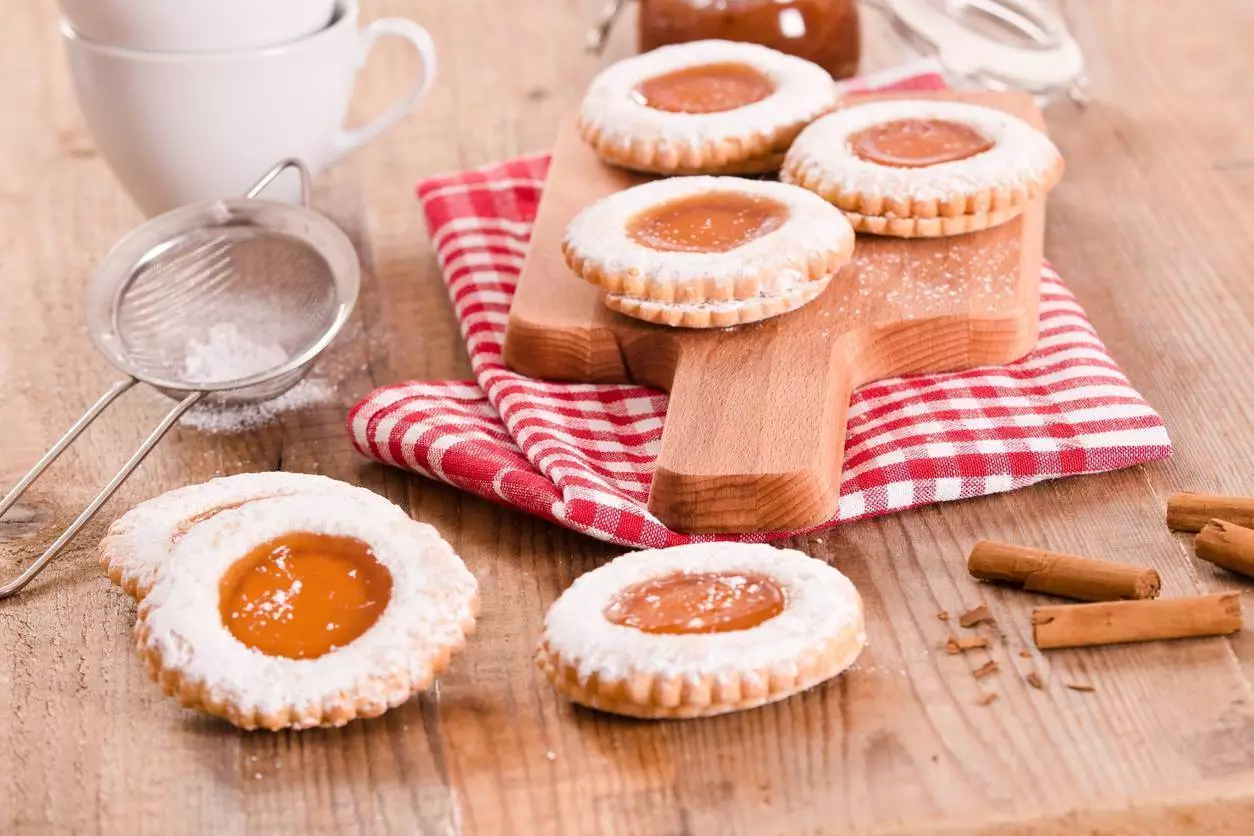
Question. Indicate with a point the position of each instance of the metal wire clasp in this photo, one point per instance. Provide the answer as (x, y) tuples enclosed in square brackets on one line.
[(306, 180)]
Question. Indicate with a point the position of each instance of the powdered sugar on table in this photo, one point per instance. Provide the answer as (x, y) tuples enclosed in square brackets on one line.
[(228, 354)]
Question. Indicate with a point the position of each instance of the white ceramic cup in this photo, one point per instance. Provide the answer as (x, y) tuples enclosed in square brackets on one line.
[(196, 25), (179, 128)]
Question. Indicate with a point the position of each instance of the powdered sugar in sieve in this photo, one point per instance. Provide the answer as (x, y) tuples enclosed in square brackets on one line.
[(227, 353)]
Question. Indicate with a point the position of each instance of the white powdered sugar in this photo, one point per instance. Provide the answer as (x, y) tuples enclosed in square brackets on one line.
[(138, 544), (822, 605), (771, 264), (433, 603), (214, 418), (802, 92), (228, 354), (1020, 154)]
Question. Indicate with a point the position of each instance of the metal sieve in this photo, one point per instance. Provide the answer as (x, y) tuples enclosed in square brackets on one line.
[(229, 273)]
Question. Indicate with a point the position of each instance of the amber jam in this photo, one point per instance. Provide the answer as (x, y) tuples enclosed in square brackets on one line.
[(303, 595), (916, 143), (709, 88), (823, 31), (706, 602), (714, 222)]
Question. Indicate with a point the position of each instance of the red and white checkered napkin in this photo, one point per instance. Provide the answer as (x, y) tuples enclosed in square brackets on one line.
[(582, 455)]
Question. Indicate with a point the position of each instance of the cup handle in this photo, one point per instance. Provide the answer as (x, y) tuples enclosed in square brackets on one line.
[(421, 41)]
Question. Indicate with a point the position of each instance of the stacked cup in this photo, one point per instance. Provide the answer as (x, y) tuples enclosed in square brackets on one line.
[(193, 100)]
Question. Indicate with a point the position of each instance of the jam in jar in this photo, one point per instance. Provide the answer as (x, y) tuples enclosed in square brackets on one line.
[(822, 31)]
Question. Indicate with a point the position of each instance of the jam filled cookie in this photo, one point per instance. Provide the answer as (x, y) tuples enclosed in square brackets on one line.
[(138, 543), (704, 252), (706, 107), (924, 168), (305, 610), (715, 314), (699, 630)]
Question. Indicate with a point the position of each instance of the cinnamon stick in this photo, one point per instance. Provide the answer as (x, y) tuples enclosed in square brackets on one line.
[(1113, 622), (1068, 575), (1192, 511), (1227, 545)]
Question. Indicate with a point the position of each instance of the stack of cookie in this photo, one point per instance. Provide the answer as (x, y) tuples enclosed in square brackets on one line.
[(924, 168), (284, 600), (703, 252), (715, 250)]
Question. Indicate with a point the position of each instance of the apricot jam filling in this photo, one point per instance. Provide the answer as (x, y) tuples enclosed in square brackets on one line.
[(714, 222), (302, 595), (710, 88), (706, 602)]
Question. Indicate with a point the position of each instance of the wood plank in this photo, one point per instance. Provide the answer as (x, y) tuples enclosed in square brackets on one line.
[(1150, 228)]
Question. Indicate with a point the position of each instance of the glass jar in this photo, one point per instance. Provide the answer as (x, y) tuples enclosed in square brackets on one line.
[(822, 31)]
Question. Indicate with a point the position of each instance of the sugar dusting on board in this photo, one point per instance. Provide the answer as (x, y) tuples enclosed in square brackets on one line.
[(227, 354)]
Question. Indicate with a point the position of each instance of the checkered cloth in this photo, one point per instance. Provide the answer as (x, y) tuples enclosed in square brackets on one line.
[(583, 455)]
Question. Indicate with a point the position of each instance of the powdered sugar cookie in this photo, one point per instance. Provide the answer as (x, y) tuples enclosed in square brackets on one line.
[(731, 248), (703, 107), (924, 168), (716, 314), (699, 630), (138, 543), (303, 610)]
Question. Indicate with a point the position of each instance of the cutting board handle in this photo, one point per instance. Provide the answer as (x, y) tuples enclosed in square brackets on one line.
[(753, 442)]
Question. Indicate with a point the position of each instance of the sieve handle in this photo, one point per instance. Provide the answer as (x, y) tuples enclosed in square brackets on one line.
[(306, 180), (17, 584)]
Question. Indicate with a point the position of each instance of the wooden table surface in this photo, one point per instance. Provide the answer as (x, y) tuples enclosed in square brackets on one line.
[(1151, 227)]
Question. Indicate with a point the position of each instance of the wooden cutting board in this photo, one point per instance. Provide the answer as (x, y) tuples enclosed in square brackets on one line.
[(755, 430)]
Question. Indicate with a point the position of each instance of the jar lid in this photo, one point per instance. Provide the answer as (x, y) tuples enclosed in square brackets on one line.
[(997, 43)]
